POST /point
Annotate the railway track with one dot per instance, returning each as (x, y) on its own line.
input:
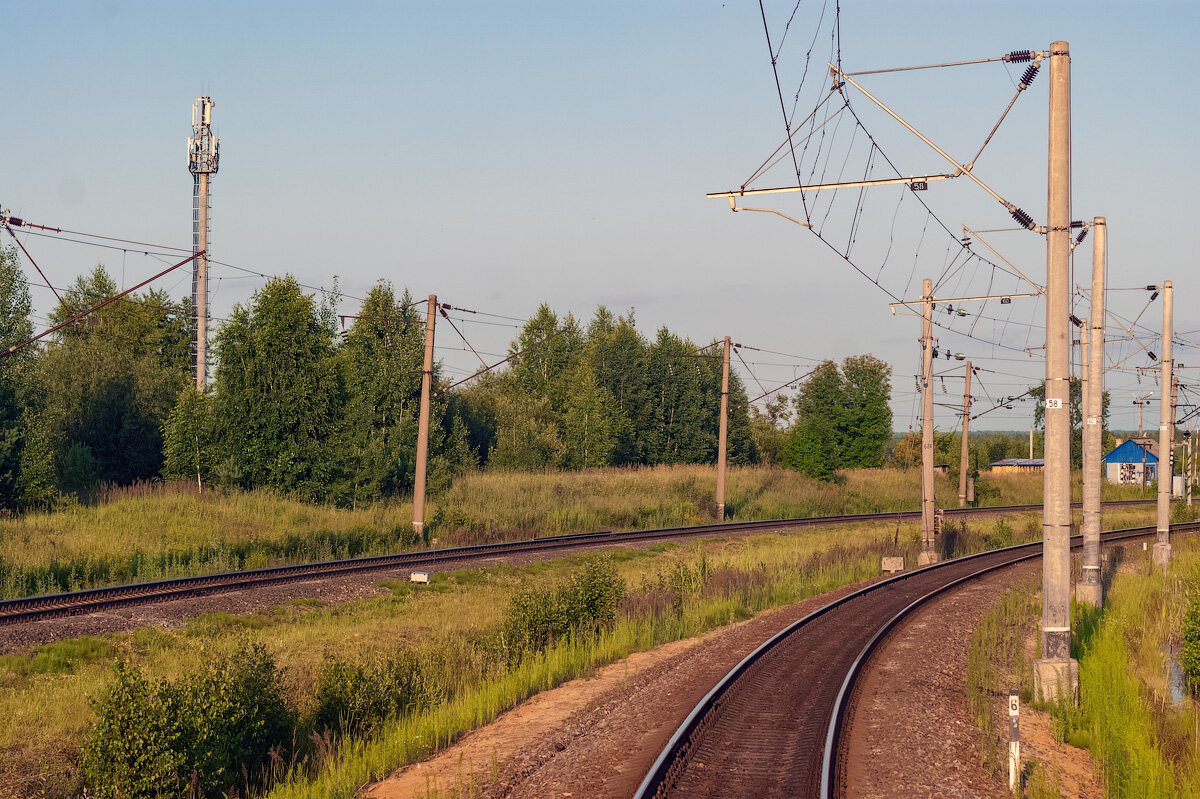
(26, 609)
(772, 726)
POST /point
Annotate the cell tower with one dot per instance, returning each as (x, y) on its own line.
(204, 152)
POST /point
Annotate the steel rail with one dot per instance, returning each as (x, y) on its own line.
(44, 606)
(670, 760)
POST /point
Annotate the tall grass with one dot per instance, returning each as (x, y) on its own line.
(156, 531)
(996, 663)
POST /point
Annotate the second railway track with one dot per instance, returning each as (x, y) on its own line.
(34, 608)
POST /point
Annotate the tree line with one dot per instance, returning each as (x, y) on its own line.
(296, 407)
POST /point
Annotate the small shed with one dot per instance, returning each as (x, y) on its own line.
(1018, 465)
(1135, 462)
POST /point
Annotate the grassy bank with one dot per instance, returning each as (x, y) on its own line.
(1145, 743)
(672, 592)
(157, 531)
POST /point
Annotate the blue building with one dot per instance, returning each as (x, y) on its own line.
(1135, 462)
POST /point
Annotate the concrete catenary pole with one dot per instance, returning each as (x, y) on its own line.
(1166, 436)
(928, 553)
(1056, 674)
(722, 438)
(1090, 589)
(964, 458)
(423, 423)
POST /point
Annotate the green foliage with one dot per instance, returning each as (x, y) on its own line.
(189, 432)
(384, 355)
(111, 383)
(280, 394)
(843, 419)
(585, 605)
(155, 739)
(1189, 655)
(357, 697)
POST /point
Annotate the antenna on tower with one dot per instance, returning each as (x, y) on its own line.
(204, 151)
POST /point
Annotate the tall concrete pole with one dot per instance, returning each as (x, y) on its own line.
(723, 436)
(1166, 436)
(964, 459)
(1090, 589)
(928, 553)
(423, 424)
(1056, 674)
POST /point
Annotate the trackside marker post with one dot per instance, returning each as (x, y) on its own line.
(1014, 739)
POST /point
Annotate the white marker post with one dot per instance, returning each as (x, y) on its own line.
(1014, 738)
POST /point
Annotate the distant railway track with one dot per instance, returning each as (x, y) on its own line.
(34, 608)
(772, 726)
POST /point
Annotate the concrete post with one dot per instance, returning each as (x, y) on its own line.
(1056, 674)
(722, 438)
(964, 458)
(1090, 589)
(423, 423)
(1014, 739)
(1166, 438)
(928, 553)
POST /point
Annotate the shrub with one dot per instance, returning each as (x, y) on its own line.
(358, 697)
(1189, 656)
(587, 604)
(203, 731)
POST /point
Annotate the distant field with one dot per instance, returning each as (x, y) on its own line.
(167, 530)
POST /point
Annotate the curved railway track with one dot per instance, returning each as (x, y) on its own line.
(26, 609)
(772, 726)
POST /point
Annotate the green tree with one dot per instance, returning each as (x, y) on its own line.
(15, 328)
(866, 422)
(384, 354)
(843, 417)
(590, 422)
(280, 395)
(189, 438)
(107, 388)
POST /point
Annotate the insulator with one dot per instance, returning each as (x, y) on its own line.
(1082, 235)
(966, 241)
(1153, 357)
(1023, 219)
(1029, 75)
(1019, 56)
(15, 222)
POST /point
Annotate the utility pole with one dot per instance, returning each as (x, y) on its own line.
(423, 424)
(928, 553)
(1031, 443)
(203, 160)
(722, 437)
(1090, 589)
(964, 458)
(1056, 674)
(1166, 438)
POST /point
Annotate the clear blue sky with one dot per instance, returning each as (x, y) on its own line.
(503, 155)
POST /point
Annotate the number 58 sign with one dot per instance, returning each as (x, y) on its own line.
(1053, 402)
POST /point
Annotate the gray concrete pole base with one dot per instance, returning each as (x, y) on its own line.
(1162, 553)
(1089, 589)
(1090, 594)
(1056, 679)
(926, 557)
